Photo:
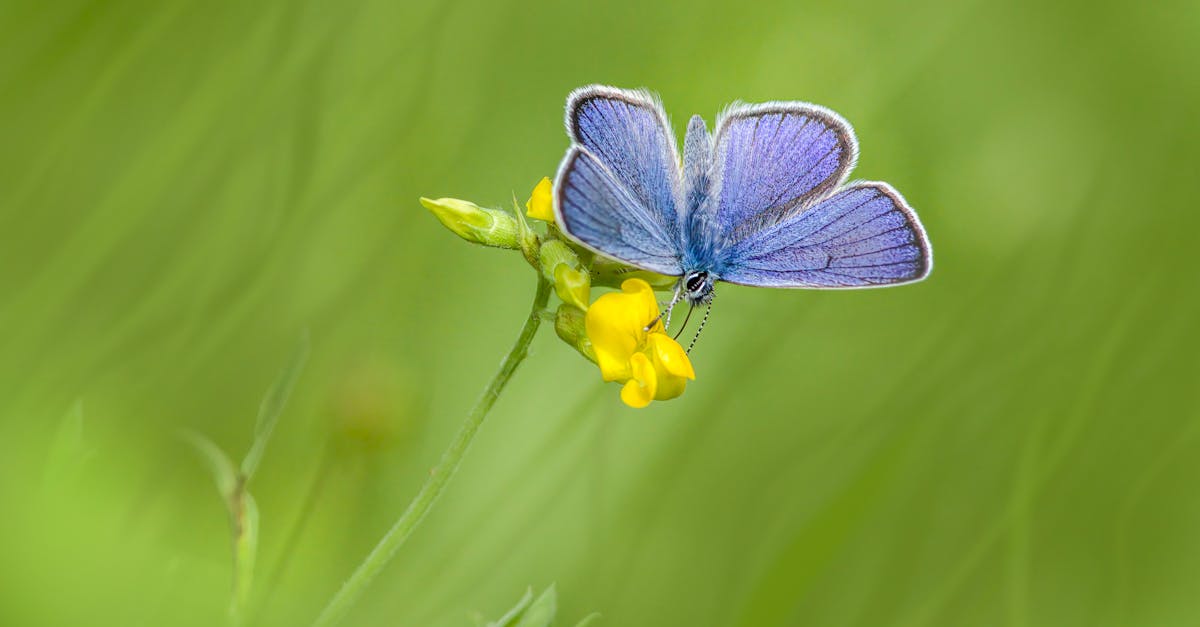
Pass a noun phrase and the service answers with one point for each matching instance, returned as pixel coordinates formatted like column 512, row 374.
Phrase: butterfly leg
column 668, row 308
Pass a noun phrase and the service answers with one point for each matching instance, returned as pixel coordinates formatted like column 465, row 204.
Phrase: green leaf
column 272, row 406
column 221, row 467
column 541, row 613
column 515, row 612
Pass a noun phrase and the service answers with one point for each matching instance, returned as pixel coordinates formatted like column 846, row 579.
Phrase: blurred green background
column 186, row 187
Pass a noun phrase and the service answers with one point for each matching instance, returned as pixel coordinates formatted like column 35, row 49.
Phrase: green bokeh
column 185, row 188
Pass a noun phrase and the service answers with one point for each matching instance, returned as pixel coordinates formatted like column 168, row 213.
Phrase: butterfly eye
column 695, row 282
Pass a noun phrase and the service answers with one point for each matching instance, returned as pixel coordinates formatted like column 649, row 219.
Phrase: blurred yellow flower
column 540, row 205
column 650, row 364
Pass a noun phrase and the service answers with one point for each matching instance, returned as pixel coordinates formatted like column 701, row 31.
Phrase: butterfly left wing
column 865, row 235
column 617, row 190
column 594, row 208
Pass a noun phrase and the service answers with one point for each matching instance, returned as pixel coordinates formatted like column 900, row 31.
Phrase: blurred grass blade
column 68, row 451
column 245, row 553
column 588, row 620
column 541, row 613
column 515, row 612
column 272, row 405
column 221, row 467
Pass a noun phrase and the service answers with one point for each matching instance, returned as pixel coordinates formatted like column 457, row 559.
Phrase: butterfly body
column 760, row 201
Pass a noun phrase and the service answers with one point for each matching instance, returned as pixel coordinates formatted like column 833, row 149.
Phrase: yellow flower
column 540, row 205
column 650, row 364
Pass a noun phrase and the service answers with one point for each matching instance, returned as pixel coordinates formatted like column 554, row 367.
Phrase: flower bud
column 540, row 205
column 489, row 227
column 570, row 325
column 561, row 265
column 572, row 286
column 529, row 242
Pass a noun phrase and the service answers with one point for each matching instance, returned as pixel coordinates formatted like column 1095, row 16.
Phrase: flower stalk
column 441, row 474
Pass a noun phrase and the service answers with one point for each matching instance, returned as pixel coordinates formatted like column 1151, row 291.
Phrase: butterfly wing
column 596, row 210
column 771, row 160
column 862, row 236
column 617, row 190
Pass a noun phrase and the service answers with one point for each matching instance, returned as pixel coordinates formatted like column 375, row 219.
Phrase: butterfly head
column 698, row 286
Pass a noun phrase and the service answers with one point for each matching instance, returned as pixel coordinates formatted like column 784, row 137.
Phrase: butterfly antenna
column 700, row 328
column 685, row 321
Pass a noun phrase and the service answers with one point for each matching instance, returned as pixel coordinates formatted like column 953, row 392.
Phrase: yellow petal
column 612, row 342
column 668, row 356
column 642, row 387
column 540, row 205
column 671, row 366
column 670, row 387
column 643, row 303
column 616, row 325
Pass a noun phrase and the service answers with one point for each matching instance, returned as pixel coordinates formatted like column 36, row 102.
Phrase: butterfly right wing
column 864, row 235
column 617, row 190
column 773, row 160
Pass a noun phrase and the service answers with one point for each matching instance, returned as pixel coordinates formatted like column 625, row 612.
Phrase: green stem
column 383, row 552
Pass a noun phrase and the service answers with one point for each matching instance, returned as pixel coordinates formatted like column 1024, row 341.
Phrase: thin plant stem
column 441, row 474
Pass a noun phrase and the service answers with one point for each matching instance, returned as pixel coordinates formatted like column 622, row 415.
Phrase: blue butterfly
column 760, row 202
